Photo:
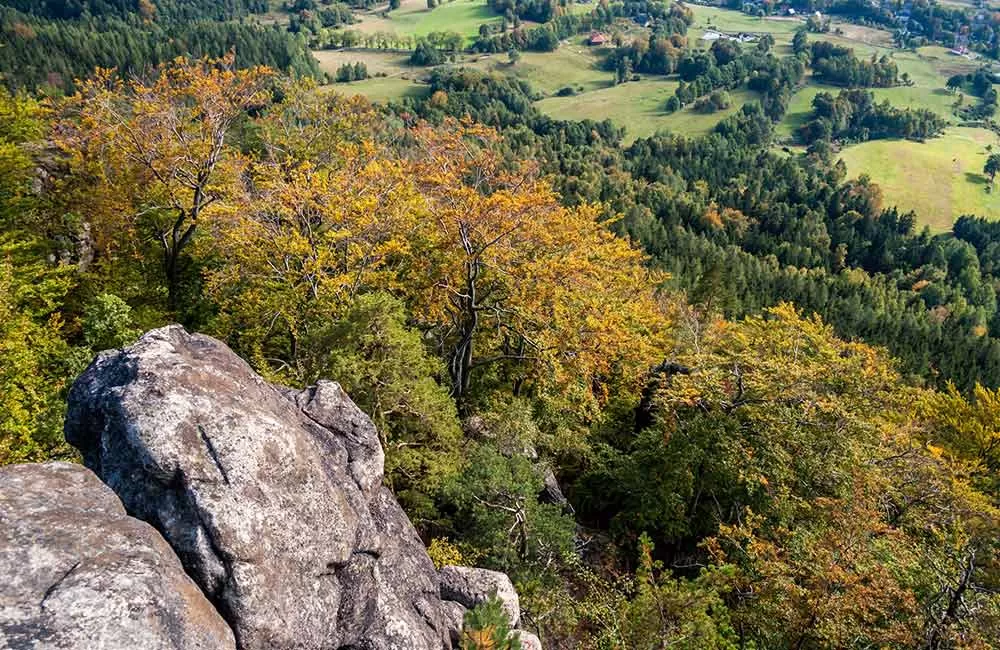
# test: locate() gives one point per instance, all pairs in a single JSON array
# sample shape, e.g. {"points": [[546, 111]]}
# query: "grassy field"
{"points": [[413, 18], [639, 107], [938, 100], [736, 21], [381, 89], [401, 80], [940, 179], [390, 63], [573, 64]]}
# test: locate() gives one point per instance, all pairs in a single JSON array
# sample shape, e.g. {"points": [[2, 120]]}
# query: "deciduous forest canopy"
{"points": [[692, 391]]}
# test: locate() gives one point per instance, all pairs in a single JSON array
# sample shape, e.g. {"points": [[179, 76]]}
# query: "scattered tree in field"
{"points": [[717, 101], [992, 166], [426, 54], [800, 42], [623, 72], [854, 115]]}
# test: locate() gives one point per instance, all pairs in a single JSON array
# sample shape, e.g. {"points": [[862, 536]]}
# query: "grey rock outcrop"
{"points": [[469, 587], [272, 499], [529, 641], [454, 617], [551, 493], [77, 572]]}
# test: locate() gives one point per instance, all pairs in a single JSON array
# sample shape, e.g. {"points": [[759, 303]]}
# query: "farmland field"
{"points": [[639, 107], [390, 63], [736, 21], [413, 18], [940, 179], [400, 80], [929, 69], [573, 64], [381, 89]]}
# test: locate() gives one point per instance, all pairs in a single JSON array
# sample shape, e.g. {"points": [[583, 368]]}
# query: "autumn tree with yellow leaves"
{"points": [[514, 277], [490, 263], [153, 159]]}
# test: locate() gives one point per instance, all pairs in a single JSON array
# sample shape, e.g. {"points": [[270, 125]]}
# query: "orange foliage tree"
{"points": [[152, 158], [491, 266], [513, 276]]}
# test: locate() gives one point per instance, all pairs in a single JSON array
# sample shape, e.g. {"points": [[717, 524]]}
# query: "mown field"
{"points": [[400, 80], [639, 107], [390, 63], [413, 18], [573, 64], [782, 29], [940, 179]]}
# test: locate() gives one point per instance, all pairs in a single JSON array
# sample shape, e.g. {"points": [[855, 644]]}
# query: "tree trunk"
{"points": [[173, 244], [952, 613]]}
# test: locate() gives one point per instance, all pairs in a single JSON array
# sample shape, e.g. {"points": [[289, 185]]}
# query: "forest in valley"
{"points": [[690, 391]]}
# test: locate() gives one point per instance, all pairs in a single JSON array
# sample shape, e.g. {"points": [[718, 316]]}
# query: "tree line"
{"points": [[41, 51], [855, 116], [727, 67], [837, 65]]}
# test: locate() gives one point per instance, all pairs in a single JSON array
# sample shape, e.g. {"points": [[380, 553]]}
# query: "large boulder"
{"points": [[470, 587], [77, 572], [272, 499], [454, 619]]}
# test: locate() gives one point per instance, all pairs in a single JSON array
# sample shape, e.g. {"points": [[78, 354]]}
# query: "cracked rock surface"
{"points": [[272, 499], [77, 572], [470, 587]]}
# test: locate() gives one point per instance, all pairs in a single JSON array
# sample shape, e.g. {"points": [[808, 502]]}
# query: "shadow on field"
{"points": [[977, 179]]}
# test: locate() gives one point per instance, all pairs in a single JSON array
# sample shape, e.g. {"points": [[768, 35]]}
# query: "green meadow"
{"points": [[941, 179], [413, 18], [573, 64], [639, 107]]}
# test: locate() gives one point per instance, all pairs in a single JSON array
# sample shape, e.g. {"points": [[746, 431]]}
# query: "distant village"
{"points": [[901, 13]]}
